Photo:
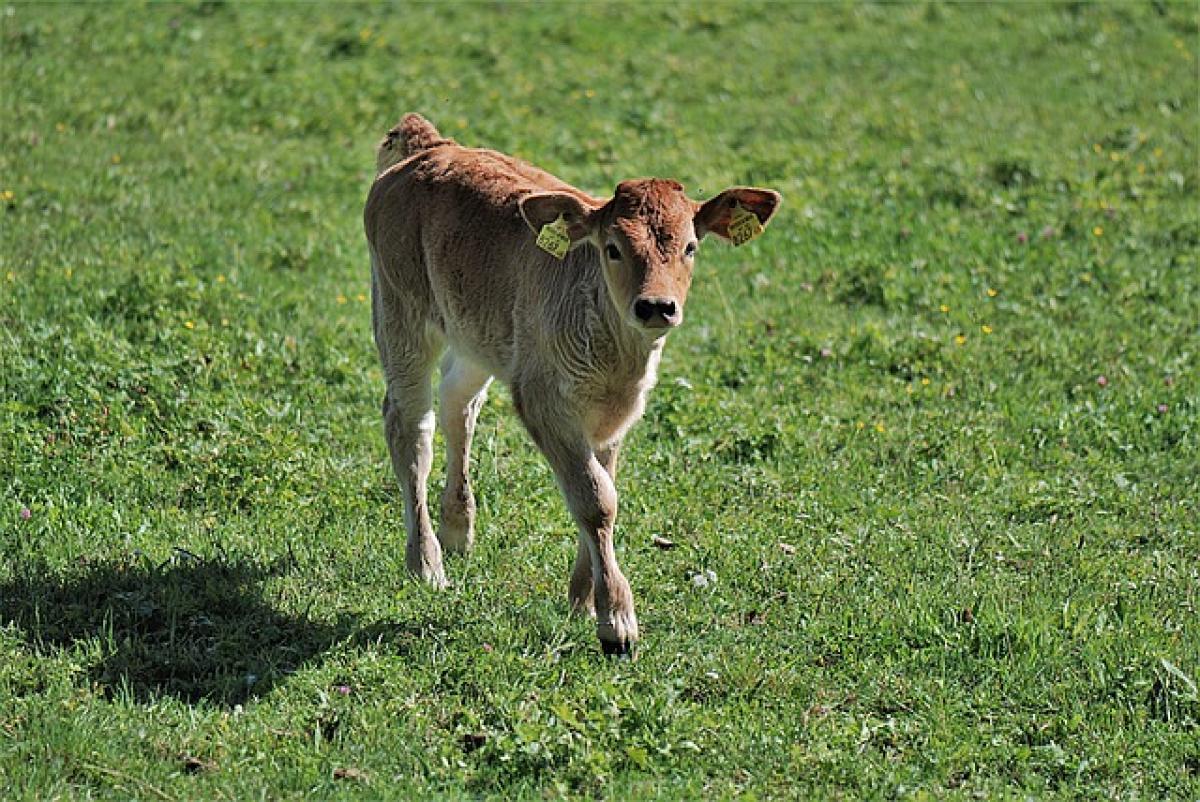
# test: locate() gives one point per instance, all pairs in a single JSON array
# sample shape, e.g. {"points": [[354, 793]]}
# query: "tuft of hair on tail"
{"points": [[411, 135]]}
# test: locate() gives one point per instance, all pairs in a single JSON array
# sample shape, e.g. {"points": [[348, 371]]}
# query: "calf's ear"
{"points": [[715, 215], [545, 207]]}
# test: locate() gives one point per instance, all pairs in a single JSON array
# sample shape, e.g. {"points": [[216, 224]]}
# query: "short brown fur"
{"points": [[455, 270]]}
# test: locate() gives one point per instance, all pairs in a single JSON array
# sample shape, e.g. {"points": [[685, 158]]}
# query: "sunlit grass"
{"points": [[927, 450]]}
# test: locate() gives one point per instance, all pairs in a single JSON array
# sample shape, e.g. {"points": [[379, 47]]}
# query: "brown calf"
{"points": [[456, 269]]}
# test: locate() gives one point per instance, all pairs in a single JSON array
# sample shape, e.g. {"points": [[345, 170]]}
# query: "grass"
{"points": [[935, 434]]}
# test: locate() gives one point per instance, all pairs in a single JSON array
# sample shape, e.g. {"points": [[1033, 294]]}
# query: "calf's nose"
{"points": [[657, 313]]}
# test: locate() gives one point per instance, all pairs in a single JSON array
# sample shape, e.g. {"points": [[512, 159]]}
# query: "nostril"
{"points": [[656, 313]]}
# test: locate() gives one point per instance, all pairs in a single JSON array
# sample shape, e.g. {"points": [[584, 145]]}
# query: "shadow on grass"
{"points": [[191, 628]]}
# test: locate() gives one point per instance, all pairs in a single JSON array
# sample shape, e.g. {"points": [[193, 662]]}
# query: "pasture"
{"points": [[923, 464]]}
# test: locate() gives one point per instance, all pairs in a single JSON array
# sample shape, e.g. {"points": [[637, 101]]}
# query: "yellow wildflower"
{"points": [[960, 339], [1098, 231], [986, 329]]}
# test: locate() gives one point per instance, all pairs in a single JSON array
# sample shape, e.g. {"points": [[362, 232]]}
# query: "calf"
{"points": [[575, 333]]}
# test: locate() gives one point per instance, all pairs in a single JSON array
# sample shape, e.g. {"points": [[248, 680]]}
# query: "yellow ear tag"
{"points": [[743, 225], [554, 239]]}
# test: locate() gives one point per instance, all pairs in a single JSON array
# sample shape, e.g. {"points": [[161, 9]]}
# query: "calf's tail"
{"points": [[411, 135]]}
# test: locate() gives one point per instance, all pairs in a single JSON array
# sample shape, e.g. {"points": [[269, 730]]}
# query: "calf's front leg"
{"points": [[592, 498], [581, 594]]}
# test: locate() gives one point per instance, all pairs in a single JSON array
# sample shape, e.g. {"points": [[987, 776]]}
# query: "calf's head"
{"points": [[647, 235]]}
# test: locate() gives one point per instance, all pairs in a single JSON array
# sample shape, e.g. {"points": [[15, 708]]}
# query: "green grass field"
{"points": [[936, 435]]}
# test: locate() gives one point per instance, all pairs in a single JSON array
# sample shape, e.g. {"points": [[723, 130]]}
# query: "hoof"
{"points": [[622, 650], [436, 581], [433, 577], [457, 545]]}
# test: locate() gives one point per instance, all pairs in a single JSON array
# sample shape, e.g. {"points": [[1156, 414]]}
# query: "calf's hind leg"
{"points": [[408, 425], [463, 390], [408, 354]]}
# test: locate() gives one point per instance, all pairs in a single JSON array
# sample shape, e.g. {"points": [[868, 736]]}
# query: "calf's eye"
{"points": [[690, 250], [613, 252]]}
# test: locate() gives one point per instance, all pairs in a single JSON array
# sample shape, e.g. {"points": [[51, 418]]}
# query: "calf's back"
{"points": [[445, 230]]}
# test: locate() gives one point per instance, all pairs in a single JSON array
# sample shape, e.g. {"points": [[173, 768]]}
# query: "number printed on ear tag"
{"points": [[743, 225], [554, 239]]}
